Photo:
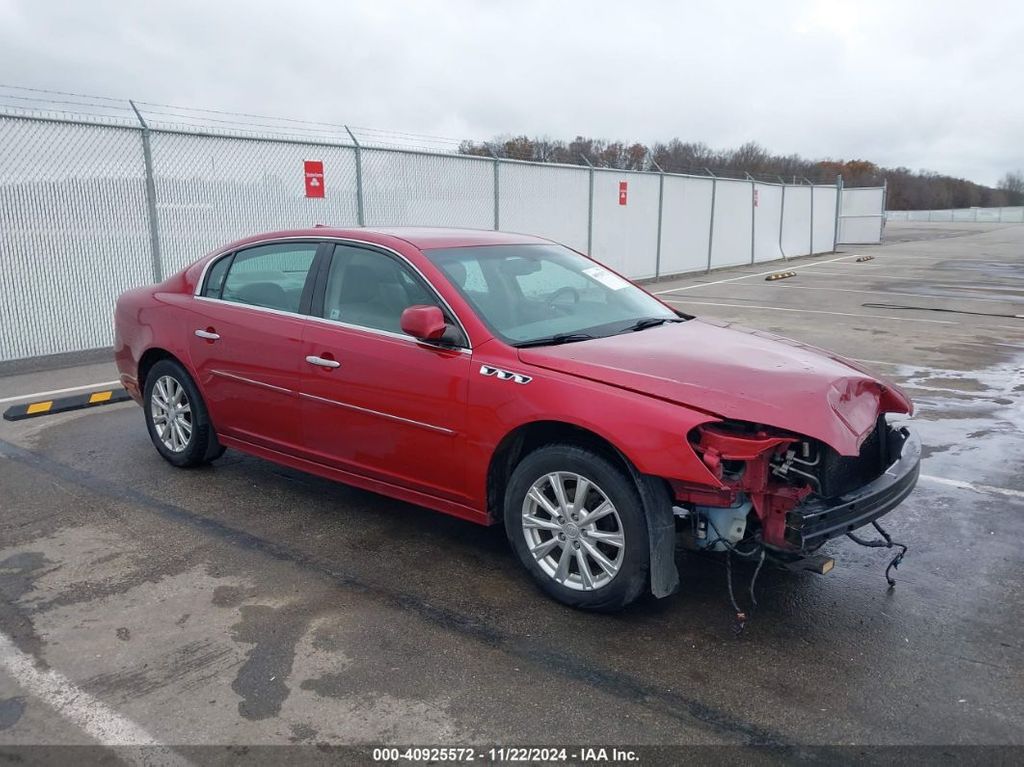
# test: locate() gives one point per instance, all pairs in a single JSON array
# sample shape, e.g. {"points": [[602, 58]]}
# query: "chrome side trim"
{"points": [[346, 405], [272, 240], [388, 416], [260, 384]]}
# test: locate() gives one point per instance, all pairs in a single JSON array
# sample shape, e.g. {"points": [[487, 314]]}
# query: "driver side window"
{"points": [[372, 289]]}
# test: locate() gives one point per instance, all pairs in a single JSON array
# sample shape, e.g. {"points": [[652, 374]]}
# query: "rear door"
{"points": [[246, 341], [377, 402]]}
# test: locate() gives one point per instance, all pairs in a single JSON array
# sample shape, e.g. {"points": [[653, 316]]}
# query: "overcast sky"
{"points": [[933, 85]]}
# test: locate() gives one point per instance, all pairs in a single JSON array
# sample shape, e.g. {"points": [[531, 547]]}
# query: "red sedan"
{"points": [[504, 378]]}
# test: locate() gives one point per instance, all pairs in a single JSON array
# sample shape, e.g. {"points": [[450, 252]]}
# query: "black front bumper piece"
{"points": [[818, 519]]}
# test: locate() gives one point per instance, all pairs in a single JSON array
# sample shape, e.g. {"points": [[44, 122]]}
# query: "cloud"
{"points": [[920, 84]]}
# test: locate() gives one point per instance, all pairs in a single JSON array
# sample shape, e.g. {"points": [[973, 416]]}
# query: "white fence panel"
{"points": [[73, 233], [861, 216], [767, 223], [406, 189], [732, 229], [796, 222], [1004, 215], [685, 225], [626, 236], [824, 219], [211, 190], [547, 201]]}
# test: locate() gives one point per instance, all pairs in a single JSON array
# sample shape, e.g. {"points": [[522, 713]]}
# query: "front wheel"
{"points": [[576, 522], [176, 417]]}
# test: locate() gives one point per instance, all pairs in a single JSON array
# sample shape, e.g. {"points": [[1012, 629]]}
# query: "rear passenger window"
{"points": [[271, 276]]}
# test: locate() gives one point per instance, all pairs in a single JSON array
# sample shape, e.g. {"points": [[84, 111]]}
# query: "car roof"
{"points": [[422, 237]]}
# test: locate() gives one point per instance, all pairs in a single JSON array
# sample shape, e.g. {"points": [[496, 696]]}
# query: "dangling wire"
{"points": [[886, 543], [753, 580], [759, 551], [741, 617]]}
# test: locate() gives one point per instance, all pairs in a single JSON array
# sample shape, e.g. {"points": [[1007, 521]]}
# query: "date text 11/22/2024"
{"points": [[500, 754]]}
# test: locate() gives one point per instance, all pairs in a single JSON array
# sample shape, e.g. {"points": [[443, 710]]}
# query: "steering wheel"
{"points": [[564, 290]]}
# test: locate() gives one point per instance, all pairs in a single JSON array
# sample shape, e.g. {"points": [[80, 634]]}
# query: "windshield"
{"points": [[546, 293]]}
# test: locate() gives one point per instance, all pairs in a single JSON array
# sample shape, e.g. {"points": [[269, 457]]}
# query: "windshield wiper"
{"points": [[557, 338], [651, 322]]}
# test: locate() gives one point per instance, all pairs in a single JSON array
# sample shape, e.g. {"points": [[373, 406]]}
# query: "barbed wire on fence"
{"points": [[79, 107]]}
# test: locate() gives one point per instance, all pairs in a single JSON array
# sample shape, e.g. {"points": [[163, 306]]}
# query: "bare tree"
{"points": [[908, 189], [1013, 182]]}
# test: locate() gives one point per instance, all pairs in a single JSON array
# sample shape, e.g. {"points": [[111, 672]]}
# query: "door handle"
{"points": [[207, 334], [321, 362]]}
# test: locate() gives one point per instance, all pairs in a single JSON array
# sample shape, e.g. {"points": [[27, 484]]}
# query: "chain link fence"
{"points": [[92, 207]]}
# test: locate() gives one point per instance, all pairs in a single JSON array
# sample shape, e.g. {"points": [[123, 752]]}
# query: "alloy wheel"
{"points": [[573, 531], [171, 413]]}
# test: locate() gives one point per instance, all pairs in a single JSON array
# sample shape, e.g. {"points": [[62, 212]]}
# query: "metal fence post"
{"points": [[154, 231], [839, 198], [753, 213], [711, 224], [360, 217], [661, 202], [885, 195], [590, 209], [782, 219], [497, 196], [811, 252]]}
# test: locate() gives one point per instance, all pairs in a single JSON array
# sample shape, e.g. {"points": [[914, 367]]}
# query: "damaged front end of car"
{"points": [[782, 495], [798, 492]]}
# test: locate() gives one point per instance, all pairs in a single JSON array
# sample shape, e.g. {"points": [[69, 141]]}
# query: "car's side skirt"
{"points": [[443, 505]]}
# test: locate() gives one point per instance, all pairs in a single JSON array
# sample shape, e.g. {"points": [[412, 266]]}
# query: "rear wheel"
{"points": [[176, 417], [576, 522]]}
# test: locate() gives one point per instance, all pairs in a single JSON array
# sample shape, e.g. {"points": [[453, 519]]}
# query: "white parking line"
{"points": [[93, 717], [978, 488], [790, 286], [782, 267], [846, 274], [875, 362], [45, 394], [688, 302]]}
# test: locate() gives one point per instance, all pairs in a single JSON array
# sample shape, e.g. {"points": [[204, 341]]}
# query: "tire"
{"points": [[533, 526], [191, 441]]}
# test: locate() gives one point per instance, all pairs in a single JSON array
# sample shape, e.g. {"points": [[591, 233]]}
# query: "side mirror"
{"points": [[424, 322]]}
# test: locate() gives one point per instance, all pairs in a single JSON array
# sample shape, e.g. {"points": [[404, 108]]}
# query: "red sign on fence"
{"points": [[623, 186], [314, 173]]}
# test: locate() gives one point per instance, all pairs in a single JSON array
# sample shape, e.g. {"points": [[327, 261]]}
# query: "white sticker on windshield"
{"points": [[606, 278]]}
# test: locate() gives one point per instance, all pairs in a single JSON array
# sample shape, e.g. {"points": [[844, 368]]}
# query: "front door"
{"points": [[377, 402], [246, 343]]}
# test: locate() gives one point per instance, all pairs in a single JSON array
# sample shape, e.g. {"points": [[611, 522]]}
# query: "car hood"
{"points": [[736, 373]]}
